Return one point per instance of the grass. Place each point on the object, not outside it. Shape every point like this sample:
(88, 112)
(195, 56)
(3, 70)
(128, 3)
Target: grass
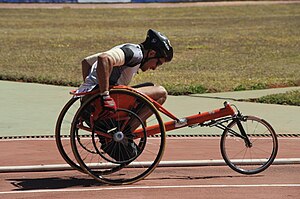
(288, 98)
(216, 48)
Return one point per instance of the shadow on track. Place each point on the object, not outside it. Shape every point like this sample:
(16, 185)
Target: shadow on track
(201, 177)
(23, 184)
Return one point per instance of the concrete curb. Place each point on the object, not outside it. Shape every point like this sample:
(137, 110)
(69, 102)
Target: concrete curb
(182, 163)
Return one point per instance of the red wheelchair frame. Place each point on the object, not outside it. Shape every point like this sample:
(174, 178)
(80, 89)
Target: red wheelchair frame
(176, 123)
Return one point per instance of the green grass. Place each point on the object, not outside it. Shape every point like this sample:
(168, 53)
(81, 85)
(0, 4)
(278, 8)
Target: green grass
(216, 48)
(288, 98)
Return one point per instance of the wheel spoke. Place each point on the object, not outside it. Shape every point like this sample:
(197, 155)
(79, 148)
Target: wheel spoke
(258, 156)
(120, 159)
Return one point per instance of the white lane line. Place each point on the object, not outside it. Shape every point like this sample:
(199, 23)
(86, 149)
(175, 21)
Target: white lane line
(168, 138)
(150, 187)
(176, 163)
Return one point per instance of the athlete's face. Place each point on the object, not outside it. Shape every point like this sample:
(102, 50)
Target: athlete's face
(153, 62)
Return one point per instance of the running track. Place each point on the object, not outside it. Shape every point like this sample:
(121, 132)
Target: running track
(278, 181)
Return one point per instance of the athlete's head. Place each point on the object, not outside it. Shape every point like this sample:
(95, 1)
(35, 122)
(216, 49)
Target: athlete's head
(160, 44)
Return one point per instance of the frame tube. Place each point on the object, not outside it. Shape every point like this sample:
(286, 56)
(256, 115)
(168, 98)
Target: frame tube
(190, 120)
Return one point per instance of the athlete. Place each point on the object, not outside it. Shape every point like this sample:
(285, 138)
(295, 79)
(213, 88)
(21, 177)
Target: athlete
(118, 66)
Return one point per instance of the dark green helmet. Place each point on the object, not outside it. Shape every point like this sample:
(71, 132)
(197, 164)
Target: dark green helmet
(160, 43)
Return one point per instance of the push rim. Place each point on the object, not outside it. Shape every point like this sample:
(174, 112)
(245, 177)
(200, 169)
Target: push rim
(123, 173)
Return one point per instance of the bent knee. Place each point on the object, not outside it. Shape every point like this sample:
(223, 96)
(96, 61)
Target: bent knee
(157, 93)
(162, 94)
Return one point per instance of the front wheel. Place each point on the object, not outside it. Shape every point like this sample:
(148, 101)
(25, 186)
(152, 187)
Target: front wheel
(249, 157)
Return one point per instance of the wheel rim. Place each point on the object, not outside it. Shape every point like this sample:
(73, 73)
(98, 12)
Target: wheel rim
(256, 157)
(62, 132)
(124, 172)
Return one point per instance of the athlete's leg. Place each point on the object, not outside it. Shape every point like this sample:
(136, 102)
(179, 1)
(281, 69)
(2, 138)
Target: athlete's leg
(158, 93)
(143, 85)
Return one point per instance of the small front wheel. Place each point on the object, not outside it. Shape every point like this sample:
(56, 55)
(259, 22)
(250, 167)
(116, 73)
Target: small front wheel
(251, 153)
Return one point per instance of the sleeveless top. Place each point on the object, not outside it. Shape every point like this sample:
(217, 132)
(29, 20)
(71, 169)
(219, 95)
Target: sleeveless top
(121, 74)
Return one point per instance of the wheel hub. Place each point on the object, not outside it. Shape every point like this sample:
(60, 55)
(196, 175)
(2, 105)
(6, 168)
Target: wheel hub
(118, 136)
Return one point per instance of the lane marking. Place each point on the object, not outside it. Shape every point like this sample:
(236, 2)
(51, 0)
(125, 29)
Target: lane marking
(167, 138)
(142, 164)
(150, 187)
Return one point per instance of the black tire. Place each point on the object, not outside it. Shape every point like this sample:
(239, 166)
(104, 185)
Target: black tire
(62, 132)
(256, 158)
(113, 169)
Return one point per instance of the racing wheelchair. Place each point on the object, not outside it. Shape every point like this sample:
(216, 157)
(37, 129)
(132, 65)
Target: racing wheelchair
(127, 145)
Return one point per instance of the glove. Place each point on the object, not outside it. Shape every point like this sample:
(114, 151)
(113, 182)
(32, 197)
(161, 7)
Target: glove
(108, 103)
(103, 110)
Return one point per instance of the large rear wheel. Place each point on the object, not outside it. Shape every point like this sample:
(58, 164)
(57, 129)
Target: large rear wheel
(124, 150)
(62, 132)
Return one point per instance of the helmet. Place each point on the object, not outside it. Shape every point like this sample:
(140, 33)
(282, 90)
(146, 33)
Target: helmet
(160, 43)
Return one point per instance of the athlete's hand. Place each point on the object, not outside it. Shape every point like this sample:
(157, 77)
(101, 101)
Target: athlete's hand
(108, 103)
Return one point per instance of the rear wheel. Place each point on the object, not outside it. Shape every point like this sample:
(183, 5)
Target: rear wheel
(124, 152)
(62, 132)
(252, 157)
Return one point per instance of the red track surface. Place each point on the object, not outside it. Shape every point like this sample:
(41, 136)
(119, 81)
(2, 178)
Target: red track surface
(278, 181)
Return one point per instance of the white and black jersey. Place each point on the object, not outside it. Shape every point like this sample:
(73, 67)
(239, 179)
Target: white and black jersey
(127, 60)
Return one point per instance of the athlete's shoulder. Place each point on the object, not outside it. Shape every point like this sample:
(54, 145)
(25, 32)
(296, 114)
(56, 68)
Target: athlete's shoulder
(133, 54)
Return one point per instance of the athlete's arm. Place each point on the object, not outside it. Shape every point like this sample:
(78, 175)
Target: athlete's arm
(106, 62)
(85, 68)
(104, 69)
(87, 64)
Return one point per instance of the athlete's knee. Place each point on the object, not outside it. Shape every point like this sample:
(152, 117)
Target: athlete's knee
(157, 93)
(162, 93)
